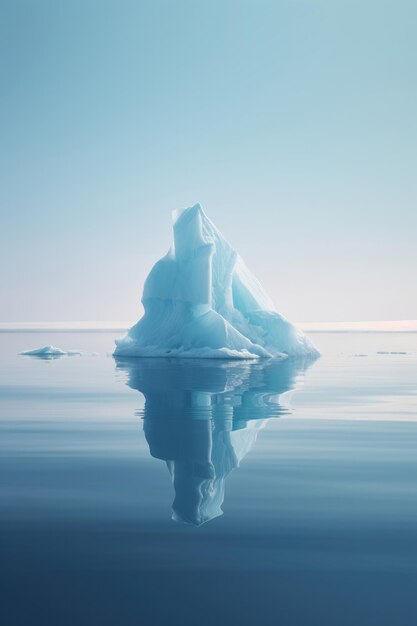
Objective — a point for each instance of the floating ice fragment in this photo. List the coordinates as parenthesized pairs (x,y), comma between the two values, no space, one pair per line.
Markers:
(201,300)
(386,352)
(50,352)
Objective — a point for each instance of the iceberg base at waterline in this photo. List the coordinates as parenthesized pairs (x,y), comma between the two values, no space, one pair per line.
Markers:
(201,301)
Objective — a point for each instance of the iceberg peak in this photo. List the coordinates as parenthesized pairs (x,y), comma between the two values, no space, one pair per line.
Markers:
(193,210)
(201,300)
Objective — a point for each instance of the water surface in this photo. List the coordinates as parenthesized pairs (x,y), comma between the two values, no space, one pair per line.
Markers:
(185,492)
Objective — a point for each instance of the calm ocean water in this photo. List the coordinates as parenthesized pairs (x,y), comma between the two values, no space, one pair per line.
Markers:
(155,491)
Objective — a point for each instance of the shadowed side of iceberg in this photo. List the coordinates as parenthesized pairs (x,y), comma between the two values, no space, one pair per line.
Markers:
(201,300)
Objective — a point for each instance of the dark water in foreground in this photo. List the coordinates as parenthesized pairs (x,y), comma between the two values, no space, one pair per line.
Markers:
(313,465)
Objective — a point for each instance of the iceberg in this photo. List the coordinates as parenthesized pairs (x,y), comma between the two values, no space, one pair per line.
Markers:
(201,300)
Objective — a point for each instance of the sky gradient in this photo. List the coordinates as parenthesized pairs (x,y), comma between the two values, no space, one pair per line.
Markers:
(293,123)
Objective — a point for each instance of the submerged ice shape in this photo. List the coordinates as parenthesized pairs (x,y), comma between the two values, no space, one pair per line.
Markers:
(202,417)
(49,352)
(201,300)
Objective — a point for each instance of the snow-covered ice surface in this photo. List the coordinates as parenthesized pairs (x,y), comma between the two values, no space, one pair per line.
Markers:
(50,352)
(201,300)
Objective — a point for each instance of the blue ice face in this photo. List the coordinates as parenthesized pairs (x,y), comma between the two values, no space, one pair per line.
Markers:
(201,300)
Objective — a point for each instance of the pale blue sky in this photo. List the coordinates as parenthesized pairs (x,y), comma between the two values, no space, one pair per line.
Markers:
(293,122)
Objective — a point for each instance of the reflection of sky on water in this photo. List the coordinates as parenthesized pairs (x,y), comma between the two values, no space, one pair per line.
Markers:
(322,510)
(202,417)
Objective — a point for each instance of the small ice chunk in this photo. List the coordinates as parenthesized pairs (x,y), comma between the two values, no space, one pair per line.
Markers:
(50,352)
(392,352)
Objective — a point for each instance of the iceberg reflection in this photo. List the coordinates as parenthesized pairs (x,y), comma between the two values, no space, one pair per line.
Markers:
(202,417)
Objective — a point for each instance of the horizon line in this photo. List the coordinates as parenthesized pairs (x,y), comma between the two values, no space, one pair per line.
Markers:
(404,326)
